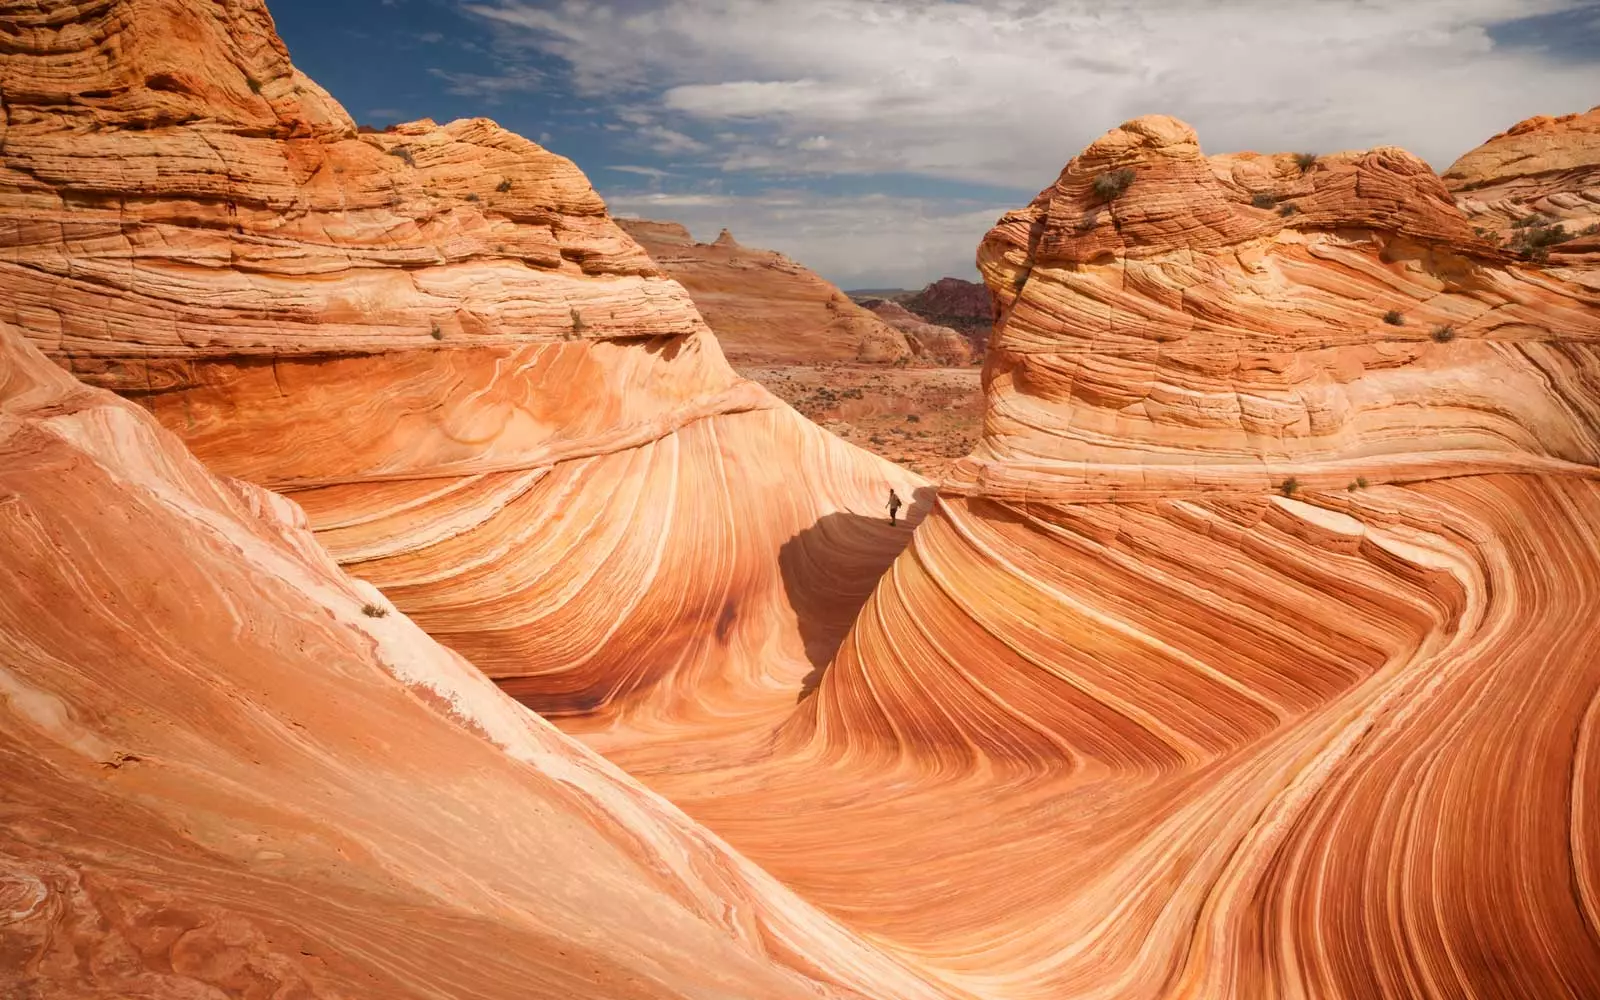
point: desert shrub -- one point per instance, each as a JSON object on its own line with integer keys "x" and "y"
{"x": 404, "y": 153}
{"x": 578, "y": 325}
{"x": 1358, "y": 483}
{"x": 1112, "y": 183}
{"x": 1263, "y": 200}
{"x": 1290, "y": 487}
{"x": 1287, "y": 210}
{"x": 1395, "y": 317}
{"x": 473, "y": 196}
{"x": 912, "y": 418}
{"x": 436, "y": 333}
{"x": 1305, "y": 161}
{"x": 1590, "y": 230}
{"x": 504, "y": 185}
{"x": 374, "y": 611}
{"x": 1533, "y": 240}
{"x": 1444, "y": 334}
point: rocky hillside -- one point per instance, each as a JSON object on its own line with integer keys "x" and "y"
{"x": 764, "y": 307}
{"x": 960, "y": 305}
{"x": 1247, "y": 655}
{"x": 939, "y": 344}
{"x": 1535, "y": 188}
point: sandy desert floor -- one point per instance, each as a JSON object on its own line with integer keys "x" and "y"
{"x": 921, "y": 418}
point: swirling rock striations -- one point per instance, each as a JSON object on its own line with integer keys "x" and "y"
{"x": 1538, "y": 174}
{"x": 1248, "y": 656}
{"x": 230, "y": 769}
{"x": 486, "y": 396}
{"x": 1189, "y": 333}
{"x": 764, "y": 307}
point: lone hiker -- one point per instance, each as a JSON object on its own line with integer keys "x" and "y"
{"x": 894, "y": 505}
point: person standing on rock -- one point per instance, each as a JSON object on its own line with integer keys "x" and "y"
{"x": 894, "y": 505}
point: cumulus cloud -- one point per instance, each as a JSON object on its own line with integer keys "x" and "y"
{"x": 1004, "y": 92}
{"x": 864, "y": 241}
{"x": 1001, "y": 93}
{"x": 488, "y": 87}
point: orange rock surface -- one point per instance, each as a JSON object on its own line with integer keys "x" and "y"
{"x": 764, "y": 307}
{"x": 481, "y": 390}
{"x": 230, "y": 769}
{"x": 929, "y": 342}
{"x": 1249, "y": 654}
{"x": 1543, "y": 168}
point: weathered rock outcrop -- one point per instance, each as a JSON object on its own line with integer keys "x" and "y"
{"x": 1249, "y": 654}
{"x": 938, "y": 344}
{"x": 230, "y": 769}
{"x": 483, "y": 392}
{"x": 764, "y": 307}
{"x": 1537, "y": 186}
{"x": 1254, "y": 637}
{"x": 960, "y": 305}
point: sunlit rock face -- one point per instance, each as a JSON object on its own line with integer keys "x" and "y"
{"x": 1250, "y": 654}
{"x": 765, "y": 307}
{"x": 1178, "y": 338}
{"x": 1545, "y": 171}
{"x": 484, "y": 394}
{"x": 229, "y": 769}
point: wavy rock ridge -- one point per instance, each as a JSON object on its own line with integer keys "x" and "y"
{"x": 483, "y": 393}
{"x": 1247, "y": 656}
{"x": 1544, "y": 170}
{"x": 229, "y": 770}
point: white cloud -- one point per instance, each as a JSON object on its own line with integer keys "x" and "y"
{"x": 655, "y": 172}
{"x": 488, "y": 87}
{"x": 869, "y": 241}
{"x": 1004, "y": 92}
{"x": 668, "y": 141}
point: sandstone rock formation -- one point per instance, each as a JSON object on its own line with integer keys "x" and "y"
{"x": 764, "y": 307}
{"x": 483, "y": 393}
{"x": 938, "y": 344}
{"x": 230, "y": 770}
{"x": 1536, "y": 183}
{"x": 1248, "y": 655}
{"x": 960, "y": 305}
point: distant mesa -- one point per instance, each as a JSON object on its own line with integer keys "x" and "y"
{"x": 764, "y": 307}
{"x": 1535, "y": 189}
{"x": 939, "y": 344}
{"x": 965, "y": 306}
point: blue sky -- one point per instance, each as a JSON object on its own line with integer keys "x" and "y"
{"x": 877, "y": 140}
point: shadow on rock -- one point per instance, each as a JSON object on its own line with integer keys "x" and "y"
{"x": 830, "y": 569}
